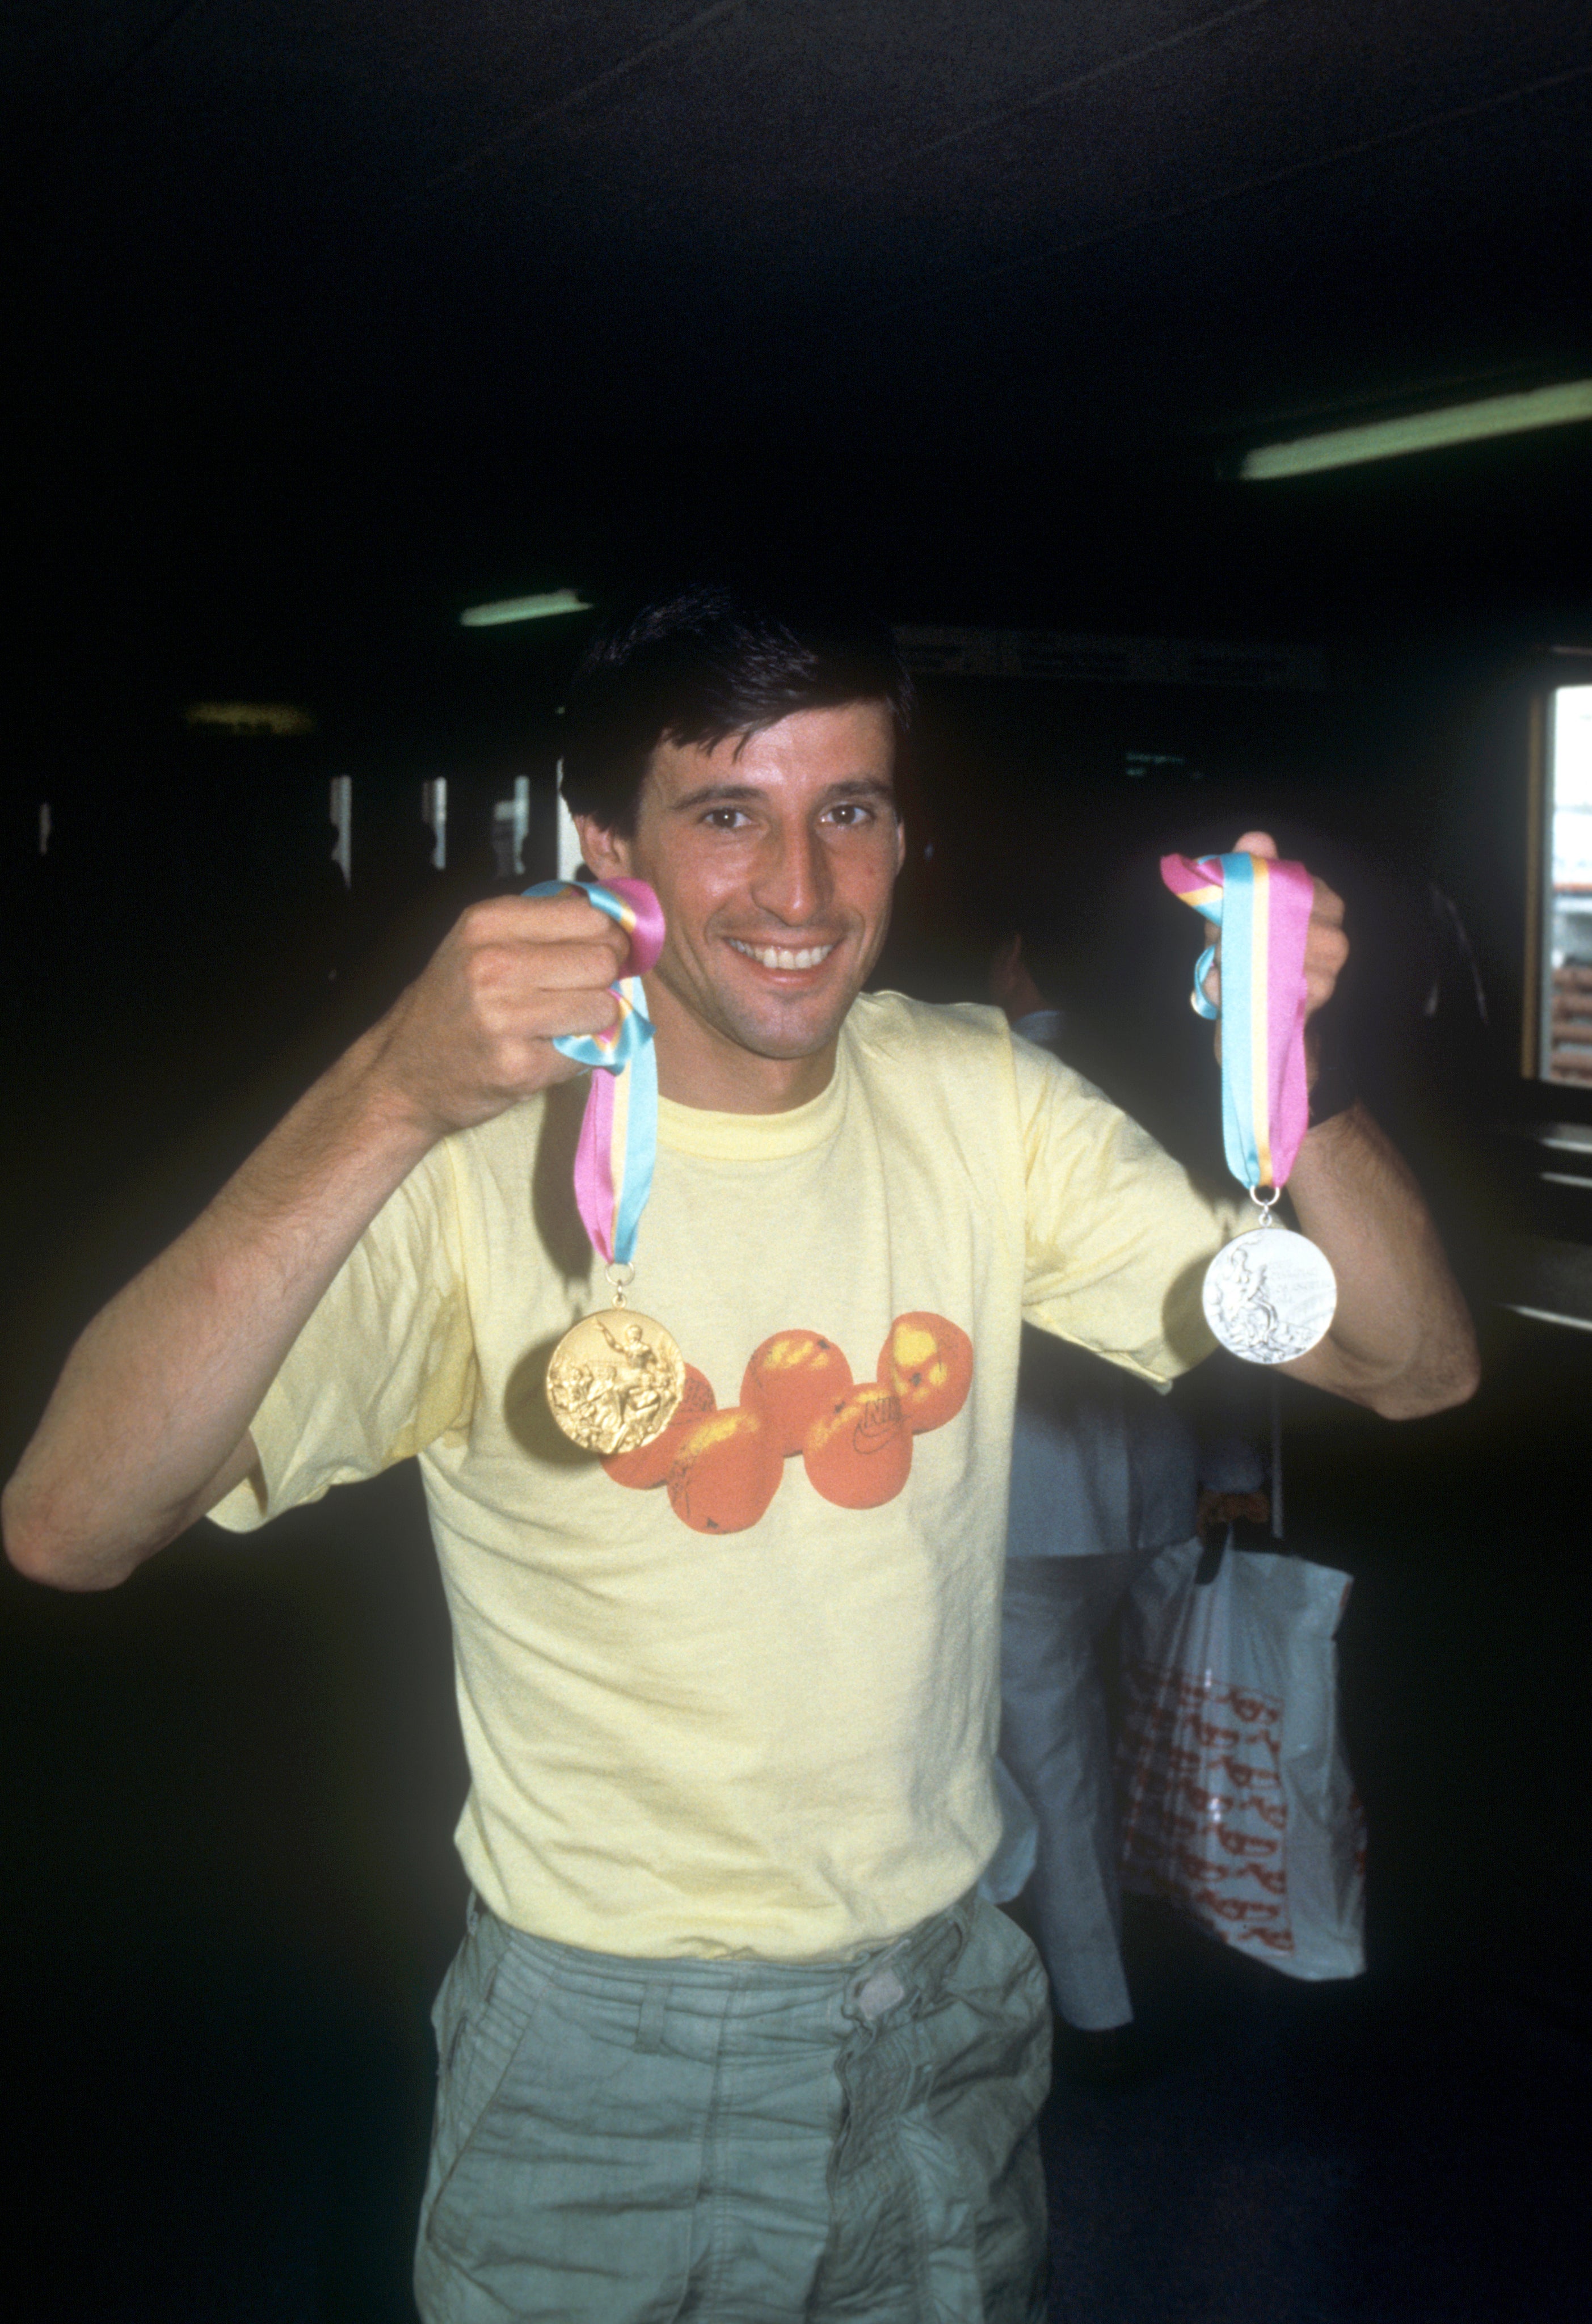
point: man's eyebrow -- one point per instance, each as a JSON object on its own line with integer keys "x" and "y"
{"x": 863, "y": 787}
{"x": 854, "y": 787}
{"x": 716, "y": 795}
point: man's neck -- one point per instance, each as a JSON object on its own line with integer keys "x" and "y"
{"x": 699, "y": 1067}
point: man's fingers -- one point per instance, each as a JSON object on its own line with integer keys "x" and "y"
{"x": 1257, "y": 843}
{"x": 541, "y": 1008}
{"x": 556, "y": 968}
{"x": 568, "y": 913}
{"x": 551, "y": 921}
{"x": 1326, "y": 946}
{"x": 588, "y": 1010}
{"x": 1325, "y": 951}
{"x": 475, "y": 1032}
{"x": 1327, "y": 904}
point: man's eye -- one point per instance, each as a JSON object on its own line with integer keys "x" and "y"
{"x": 849, "y": 812}
{"x": 723, "y": 818}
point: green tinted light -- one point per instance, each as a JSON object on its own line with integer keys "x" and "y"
{"x": 523, "y": 609}
{"x": 1422, "y": 431}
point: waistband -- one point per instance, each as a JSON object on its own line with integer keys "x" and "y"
{"x": 911, "y": 1968}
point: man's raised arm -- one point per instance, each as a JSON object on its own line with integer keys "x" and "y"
{"x": 1401, "y": 1340}
{"x": 148, "y": 1426}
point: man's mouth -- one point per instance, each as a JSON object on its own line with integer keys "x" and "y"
{"x": 783, "y": 955}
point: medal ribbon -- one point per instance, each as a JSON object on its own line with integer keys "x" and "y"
{"x": 1264, "y": 910}
{"x": 618, "y": 1145}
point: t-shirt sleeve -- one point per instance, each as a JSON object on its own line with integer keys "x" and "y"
{"x": 1119, "y": 1234}
{"x": 385, "y": 1367}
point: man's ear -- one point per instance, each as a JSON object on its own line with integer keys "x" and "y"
{"x": 607, "y": 855}
{"x": 900, "y": 846}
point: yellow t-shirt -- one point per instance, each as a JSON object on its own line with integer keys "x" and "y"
{"x": 749, "y": 1710}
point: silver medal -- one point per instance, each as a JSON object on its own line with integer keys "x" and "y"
{"x": 1269, "y": 1295}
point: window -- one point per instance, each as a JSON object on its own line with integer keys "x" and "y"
{"x": 434, "y": 811}
{"x": 510, "y": 829}
{"x": 340, "y": 808}
{"x": 569, "y": 854}
{"x": 1565, "y": 1039}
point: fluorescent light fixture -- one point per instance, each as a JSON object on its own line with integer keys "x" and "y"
{"x": 1422, "y": 431}
{"x": 250, "y": 717}
{"x": 523, "y": 609}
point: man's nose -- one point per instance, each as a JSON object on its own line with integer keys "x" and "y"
{"x": 792, "y": 879}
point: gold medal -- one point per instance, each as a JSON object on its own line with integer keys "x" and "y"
{"x": 614, "y": 1381}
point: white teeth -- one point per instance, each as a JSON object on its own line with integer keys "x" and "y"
{"x": 776, "y": 956}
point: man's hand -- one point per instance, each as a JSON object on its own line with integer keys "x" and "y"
{"x": 474, "y": 1033}
{"x": 1326, "y": 947}
{"x": 1401, "y": 1340}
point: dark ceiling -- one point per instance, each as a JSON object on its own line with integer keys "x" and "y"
{"x": 338, "y": 316}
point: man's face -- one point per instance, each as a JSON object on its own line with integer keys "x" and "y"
{"x": 774, "y": 857}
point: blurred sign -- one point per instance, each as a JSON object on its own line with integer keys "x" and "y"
{"x": 941, "y": 653}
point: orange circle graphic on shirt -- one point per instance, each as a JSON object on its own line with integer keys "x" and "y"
{"x": 927, "y": 1362}
{"x": 725, "y": 1471}
{"x": 792, "y": 1377}
{"x": 859, "y": 1452}
{"x": 649, "y": 1465}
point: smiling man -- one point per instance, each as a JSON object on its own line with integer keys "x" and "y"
{"x": 731, "y": 2034}
{"x": 774, "y": 854}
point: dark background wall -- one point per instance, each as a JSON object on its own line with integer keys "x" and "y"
{"x": 330, "y": 323}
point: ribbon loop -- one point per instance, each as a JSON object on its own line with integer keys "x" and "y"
{"x": 1264, "y": 910}
{"x": 1197, "y": 1001}
{"x": 618, "y": 1145}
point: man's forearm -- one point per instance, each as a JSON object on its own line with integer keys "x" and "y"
{"x": 1401, "y": 1340}
{"x": 145, "y": 1425}
{"x": 149, "y": 1424}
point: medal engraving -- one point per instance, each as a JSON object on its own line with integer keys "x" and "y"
{"x": 614, "y": 1381}
{"x": 1269, "y": 1295}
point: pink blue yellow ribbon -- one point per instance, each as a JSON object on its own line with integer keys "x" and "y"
{"x": 618, "y": 1145}
{"x": 1263, "y": 911}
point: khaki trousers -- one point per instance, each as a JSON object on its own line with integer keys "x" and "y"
{"x": 739, "y": 2143}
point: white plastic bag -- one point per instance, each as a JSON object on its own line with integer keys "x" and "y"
{"x": 1237, "y": 1801}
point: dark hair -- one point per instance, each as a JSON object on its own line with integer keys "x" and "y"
{"x": 710, "y": 661}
